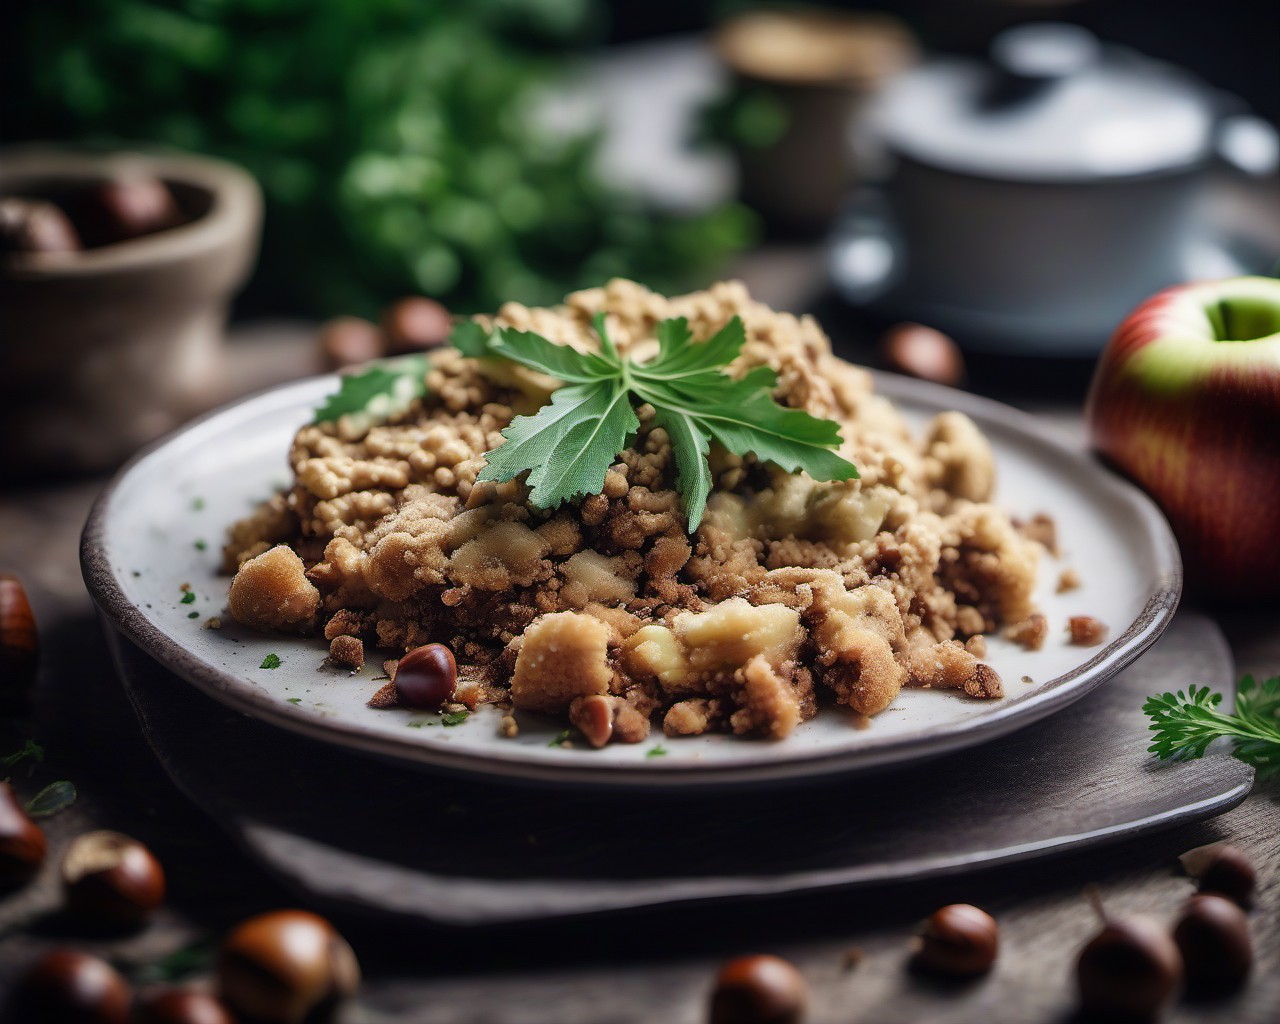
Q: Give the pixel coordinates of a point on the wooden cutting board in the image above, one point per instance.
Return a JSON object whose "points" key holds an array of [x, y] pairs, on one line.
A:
{"points": [[361, 834]]}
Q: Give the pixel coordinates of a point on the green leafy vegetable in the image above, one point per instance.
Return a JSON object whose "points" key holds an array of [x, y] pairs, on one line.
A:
{"points": [[29, 749], [270, 661], [568, 446], [386, 387], [188, 598], [1185, 724], [454, 717], [55, 797]]}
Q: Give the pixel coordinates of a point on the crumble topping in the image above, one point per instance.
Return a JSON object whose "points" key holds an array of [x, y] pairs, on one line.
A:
{"points": [[792, 593]]}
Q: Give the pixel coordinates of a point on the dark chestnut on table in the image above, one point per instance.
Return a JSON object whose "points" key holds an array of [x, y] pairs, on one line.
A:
{"points": [[286, 967], [22, 841], [1212, 934], [66, 987], [1130, 969], [759, 990], [112, 879], [959, 940]]}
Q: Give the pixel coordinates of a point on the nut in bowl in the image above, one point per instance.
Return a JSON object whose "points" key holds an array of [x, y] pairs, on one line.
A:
{"points": [[115, 279]]}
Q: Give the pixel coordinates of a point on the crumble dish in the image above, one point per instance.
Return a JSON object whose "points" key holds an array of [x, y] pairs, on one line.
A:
{"points": [[791, 594]]}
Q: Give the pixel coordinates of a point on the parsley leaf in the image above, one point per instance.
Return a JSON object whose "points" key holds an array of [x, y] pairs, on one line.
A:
{"points": [[568, 446], [1185, 724], [385, 388], [270, 661], [454, 717]]}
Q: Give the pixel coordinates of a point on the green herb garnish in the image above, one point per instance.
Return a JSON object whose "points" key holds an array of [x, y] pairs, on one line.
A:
{"points": [[197, 504], [30, 749], [188, 598], [385, 388], [55, 797], [294, 700], [200, 545], [454, 717], [567, 447], [658, 751], [193, 615], [270, 661], [1185, 724], [561, 739]]}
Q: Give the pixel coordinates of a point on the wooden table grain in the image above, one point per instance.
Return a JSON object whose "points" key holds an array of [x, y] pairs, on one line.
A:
{"points": [[634, 969]]}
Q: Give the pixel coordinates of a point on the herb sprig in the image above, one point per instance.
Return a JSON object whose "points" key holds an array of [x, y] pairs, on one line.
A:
{"points": [[384, 388], [567, 447], [1185, 724]]}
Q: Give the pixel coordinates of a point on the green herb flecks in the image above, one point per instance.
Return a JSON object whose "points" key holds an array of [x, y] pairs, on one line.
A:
{"points": [[1185, 724], [561, 738], [270, 661], [294, 700], [567, 447], [55, 797], [386, 388], [193, 615], [454, 717], [200, 545], [188, 598], [658, 751]]}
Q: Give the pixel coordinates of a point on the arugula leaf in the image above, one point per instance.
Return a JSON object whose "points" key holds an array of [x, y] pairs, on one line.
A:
{"points": [[386, 387], [568, 446], [1185, 724]]}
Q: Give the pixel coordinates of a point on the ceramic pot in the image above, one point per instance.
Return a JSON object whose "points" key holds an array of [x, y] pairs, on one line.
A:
{"points": [[106, 349], [1036, 198]]}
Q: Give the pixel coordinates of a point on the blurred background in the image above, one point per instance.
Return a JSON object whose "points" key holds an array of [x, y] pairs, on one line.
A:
{"points": [[875, 161]]}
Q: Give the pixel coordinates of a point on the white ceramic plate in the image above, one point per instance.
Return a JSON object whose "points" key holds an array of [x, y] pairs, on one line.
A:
{"points": [[160, 523]]}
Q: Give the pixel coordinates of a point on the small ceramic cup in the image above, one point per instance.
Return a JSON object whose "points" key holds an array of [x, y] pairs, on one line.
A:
{"points": [[105, 349]]}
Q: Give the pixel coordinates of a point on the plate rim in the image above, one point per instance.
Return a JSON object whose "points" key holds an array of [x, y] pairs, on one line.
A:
{"points": [[240, 695]]}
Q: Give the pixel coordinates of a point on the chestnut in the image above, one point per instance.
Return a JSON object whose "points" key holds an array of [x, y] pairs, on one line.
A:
{"points": [[180, 1006], [284, 967], [22, 841], [415, 324], [959, 940], [19, 642], [66, 987], [758, 990], [349, 340], [426, 677], [920, 351], [1213, 936], [111, 879], [1222, 868], [129, 207], [1129, 969], [33, 225]]}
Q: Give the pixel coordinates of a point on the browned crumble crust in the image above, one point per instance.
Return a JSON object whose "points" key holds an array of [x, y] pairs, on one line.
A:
{"points": [[792, 593]]}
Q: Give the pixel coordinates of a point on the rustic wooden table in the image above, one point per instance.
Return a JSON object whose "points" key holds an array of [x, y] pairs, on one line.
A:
{"points": [[628, 970]]}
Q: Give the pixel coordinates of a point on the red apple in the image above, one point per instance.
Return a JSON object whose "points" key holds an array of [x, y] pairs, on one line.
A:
{"points": [[1186, 401]]}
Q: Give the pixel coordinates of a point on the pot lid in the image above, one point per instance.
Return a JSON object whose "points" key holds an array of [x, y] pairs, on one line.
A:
{"points": [[1053, 104]]}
